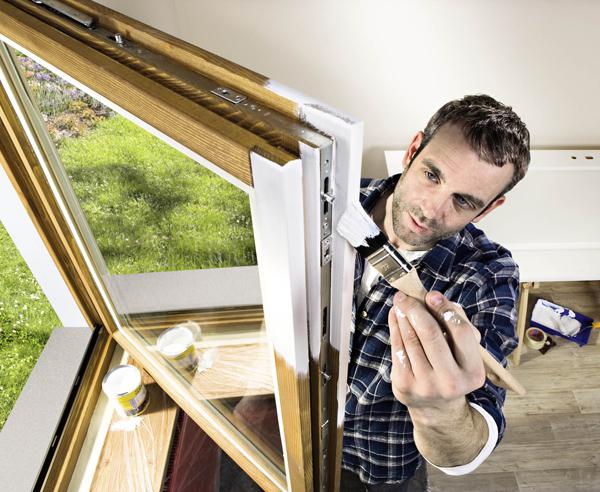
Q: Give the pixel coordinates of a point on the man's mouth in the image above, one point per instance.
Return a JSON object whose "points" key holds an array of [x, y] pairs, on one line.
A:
{"points": [[415, 225]]}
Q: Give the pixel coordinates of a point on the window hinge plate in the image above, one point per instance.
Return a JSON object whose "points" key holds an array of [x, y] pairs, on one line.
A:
{"points": [[229, 95]]}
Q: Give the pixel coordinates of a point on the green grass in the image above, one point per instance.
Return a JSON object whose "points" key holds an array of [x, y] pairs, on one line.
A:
{"points": [[151, 208], [26, 320]]}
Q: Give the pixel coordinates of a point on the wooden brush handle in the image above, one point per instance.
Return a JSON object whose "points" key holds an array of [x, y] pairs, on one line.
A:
{"points": [[411, 285], [504, 379]]}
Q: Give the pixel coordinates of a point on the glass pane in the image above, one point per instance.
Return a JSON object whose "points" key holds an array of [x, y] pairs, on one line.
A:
{"points": [[26, 322], [198, 464], [149, 207], [163, 232]]}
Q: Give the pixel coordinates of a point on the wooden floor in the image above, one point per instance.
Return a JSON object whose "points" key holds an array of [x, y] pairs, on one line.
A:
{"points": [[552, 441]]}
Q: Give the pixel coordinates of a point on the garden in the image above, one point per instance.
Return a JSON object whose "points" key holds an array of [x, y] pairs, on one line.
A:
{"points": [[149, 207]]}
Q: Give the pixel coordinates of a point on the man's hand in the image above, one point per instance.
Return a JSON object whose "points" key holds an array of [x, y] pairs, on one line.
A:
{"points": [[435, 363], [435, 357]]}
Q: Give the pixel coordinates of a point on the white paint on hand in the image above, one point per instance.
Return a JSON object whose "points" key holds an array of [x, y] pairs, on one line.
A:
{"points": [[451, 317], [399, 312], [401, 357]]}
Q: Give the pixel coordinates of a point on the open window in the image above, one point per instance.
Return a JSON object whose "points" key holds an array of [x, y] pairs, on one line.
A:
{"points": [[175, 188]]}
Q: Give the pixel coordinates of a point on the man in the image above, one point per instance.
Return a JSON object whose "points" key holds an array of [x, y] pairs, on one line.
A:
{"points": [[417, 384]]}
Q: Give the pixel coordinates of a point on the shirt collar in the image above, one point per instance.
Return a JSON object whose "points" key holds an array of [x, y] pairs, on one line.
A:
{"points": [[440, 259]]}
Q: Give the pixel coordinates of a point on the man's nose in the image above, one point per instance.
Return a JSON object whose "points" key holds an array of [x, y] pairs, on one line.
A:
{"points": [[433, 206]]}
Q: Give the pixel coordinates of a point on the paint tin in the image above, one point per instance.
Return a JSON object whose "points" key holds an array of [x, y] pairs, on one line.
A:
{"points": [[124, 388], [177, 344]]}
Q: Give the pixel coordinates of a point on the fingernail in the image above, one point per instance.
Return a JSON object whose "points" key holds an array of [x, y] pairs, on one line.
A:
{"points": [[436, 298], [399, 313], [400, 296]]}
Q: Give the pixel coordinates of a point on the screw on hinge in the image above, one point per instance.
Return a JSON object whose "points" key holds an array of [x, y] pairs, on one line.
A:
{"points": [[326, 377]]}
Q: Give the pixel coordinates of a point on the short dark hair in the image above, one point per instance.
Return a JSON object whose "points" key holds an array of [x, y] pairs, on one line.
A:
{"points": [[493, 130]]}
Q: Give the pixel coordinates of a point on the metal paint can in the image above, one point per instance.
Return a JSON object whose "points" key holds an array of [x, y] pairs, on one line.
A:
{"points": [[177, 344], [124, 388]]}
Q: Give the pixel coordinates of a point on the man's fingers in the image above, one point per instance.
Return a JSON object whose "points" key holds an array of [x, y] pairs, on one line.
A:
{"points": [[461, 312], [423, 338], [399, 355], [459, 329]]}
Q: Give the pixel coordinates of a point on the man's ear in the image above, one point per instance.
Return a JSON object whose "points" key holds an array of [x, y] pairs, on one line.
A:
{"points": [[495, 204], [414, 145]]}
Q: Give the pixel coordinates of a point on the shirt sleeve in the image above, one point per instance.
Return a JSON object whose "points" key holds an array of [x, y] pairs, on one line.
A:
{"points": [[483, 454]]}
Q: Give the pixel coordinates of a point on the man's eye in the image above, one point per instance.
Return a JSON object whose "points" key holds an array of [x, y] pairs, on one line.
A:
{"points": [[430, 176], [462, 202]]}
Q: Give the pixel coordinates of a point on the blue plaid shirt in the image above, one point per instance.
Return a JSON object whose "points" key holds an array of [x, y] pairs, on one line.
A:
{"points": [[468, 269]]}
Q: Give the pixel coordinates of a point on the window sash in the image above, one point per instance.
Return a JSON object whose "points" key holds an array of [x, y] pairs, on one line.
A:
{"points": [[55, 222], [234, 153], [214, 137]]}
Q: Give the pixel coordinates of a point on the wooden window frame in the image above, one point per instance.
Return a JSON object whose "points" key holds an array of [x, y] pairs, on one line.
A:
{"points": [[269, 163]]}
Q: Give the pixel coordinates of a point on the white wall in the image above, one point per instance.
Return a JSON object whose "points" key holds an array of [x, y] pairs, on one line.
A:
{"points": [[393, 63]]}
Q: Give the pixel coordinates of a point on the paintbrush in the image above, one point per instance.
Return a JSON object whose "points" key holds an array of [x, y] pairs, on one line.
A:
{"points": [[364, 235]]}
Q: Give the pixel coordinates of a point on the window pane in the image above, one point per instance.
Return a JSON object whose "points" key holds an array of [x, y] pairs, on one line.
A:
{"points": [[26, 321], [164, 233], [150, 208]]}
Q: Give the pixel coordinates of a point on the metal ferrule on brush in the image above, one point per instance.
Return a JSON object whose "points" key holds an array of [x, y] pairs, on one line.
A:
{"points": [[389, 263], [382, 256]]}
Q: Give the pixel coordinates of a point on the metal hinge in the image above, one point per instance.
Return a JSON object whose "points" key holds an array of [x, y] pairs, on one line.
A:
{"points": [[229, 95], [67, 11]]}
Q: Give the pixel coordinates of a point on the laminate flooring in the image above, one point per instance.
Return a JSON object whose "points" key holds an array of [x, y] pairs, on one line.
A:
{"points": [[552, 441]]}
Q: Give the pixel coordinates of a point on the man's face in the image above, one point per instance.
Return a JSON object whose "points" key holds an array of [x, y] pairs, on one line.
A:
{"points": [[443, 189]]}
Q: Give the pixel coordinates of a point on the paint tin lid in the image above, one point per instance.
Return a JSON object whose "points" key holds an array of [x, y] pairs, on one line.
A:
{"points": [[175, 340], [121, 380]]}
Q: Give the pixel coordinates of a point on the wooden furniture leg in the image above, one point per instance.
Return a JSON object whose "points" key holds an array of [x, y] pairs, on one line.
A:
{"points": [[521, 321]]}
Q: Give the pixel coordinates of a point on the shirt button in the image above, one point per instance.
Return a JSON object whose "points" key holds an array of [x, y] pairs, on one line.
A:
{"points": [[364, 314]]}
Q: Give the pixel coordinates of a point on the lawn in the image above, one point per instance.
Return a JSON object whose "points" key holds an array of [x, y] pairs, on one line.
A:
{"points": [[26, 320], [149, 207]]}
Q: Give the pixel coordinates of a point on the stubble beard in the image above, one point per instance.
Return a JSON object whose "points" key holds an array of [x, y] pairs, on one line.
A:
{"points": [[419, 242]]}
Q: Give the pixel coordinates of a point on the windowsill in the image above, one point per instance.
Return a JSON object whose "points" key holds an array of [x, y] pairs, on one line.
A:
{"points": [[215, 288], [30, 429]]}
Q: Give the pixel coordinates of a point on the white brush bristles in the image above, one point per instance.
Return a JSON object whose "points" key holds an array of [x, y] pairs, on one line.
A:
{"points": [[356, 225]]}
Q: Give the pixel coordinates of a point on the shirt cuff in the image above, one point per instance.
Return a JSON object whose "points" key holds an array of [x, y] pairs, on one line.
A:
{"points": [[483, 454]]}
